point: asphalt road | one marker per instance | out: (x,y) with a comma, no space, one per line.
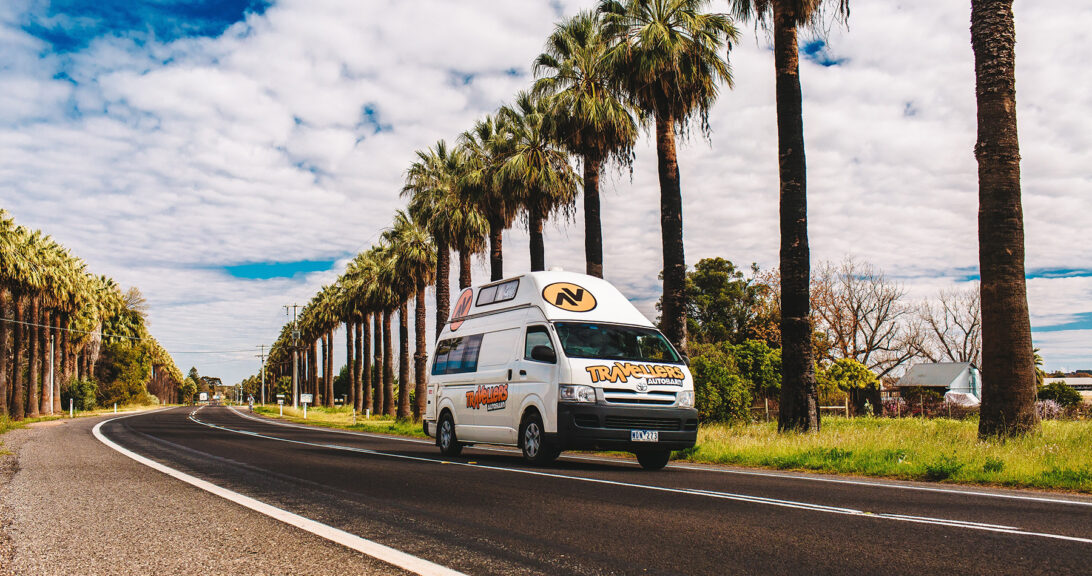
(487,512)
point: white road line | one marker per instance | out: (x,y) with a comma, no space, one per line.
(783,475)
(351,541)
(968,525)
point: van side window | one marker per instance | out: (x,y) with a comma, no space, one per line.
(536,336)
(457,355)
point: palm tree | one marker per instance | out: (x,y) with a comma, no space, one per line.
(535,170)
(414,262)
(667,59)
(799,392)
(479,186)
(1008,365)
(590,116)
(453,223)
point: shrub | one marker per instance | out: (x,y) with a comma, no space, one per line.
(81,392)
(722,395)
(1048,409)
(1060,392)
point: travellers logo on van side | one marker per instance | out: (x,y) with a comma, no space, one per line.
(569,297)
(493,397)
(623,371)
(462,308)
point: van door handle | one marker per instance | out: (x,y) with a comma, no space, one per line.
(522,372)
(509,374)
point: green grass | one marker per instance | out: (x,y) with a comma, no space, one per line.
(939,450)
(342,417)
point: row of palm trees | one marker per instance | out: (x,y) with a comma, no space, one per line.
(54,315)
(602,76)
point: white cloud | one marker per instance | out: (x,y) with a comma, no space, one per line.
(159,162)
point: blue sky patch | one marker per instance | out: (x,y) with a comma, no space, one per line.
(818,52)
(1080,322)
(1059,273)
(269,270)
(71,25)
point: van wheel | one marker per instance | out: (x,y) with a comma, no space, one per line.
(653,459)
(532,439)
(445,436)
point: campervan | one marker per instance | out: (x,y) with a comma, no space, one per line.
(553,361)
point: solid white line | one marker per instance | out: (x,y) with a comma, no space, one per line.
(351,541)
(784,475)
(968,525)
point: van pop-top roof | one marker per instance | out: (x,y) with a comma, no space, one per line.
(560,296)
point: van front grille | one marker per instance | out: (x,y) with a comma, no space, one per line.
(630,423)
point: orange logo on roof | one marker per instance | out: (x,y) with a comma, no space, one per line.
(462,308)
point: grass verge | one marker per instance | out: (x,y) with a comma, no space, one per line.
(7,424)
(342,417)
(938,450)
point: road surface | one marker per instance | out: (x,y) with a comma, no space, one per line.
(487,512)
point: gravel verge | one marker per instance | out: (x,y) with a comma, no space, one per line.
(71,505)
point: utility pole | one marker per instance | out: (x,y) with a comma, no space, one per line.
(262,356)
(295,355)
(52,378)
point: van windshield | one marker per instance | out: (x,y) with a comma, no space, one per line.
(612,342)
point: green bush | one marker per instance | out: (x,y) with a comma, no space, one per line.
(1060,392)
(722,394)
(81,392)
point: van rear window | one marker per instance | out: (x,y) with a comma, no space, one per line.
(457,355)
(498,293)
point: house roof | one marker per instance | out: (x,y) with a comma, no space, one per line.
(939,374)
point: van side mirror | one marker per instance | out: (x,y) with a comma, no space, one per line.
(544,354)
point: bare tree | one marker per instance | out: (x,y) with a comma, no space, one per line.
(953,326)
(864,316)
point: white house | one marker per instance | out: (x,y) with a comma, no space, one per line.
(960,381)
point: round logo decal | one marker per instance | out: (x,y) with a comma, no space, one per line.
(462,308)
(569,297)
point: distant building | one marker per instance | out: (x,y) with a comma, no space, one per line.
(956,377)
(1082,385)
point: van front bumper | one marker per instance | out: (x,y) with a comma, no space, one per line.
(607,427)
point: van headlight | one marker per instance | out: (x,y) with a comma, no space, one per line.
(685,399)
(577,393)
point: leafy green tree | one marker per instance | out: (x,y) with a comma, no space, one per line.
(855,379)
(722,303)
(83,394)
(667,58)
(722,394)
(187,390)
(760,365)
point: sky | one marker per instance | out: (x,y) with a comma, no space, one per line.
(228,157)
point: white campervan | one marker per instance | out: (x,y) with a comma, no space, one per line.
(551,361)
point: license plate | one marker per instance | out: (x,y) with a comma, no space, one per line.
(644,435)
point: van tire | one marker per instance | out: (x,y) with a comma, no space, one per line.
(445,436)
(537,450)
(653,459)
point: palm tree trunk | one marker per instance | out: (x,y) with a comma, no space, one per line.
(332,369)
(366,364)
(5,352)
(1008,364)
(464,270)
(58,362)
(593,226)
(18,410)
(33,359)
(388,366)
(799,394)
(496,241)
(358,361)
(443,285)
(538,247)
(352,361)
(403,362)
(420,353)
(673,320)
(377,399)
(44,402)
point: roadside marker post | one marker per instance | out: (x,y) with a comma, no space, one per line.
(115,407)
(71,409)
